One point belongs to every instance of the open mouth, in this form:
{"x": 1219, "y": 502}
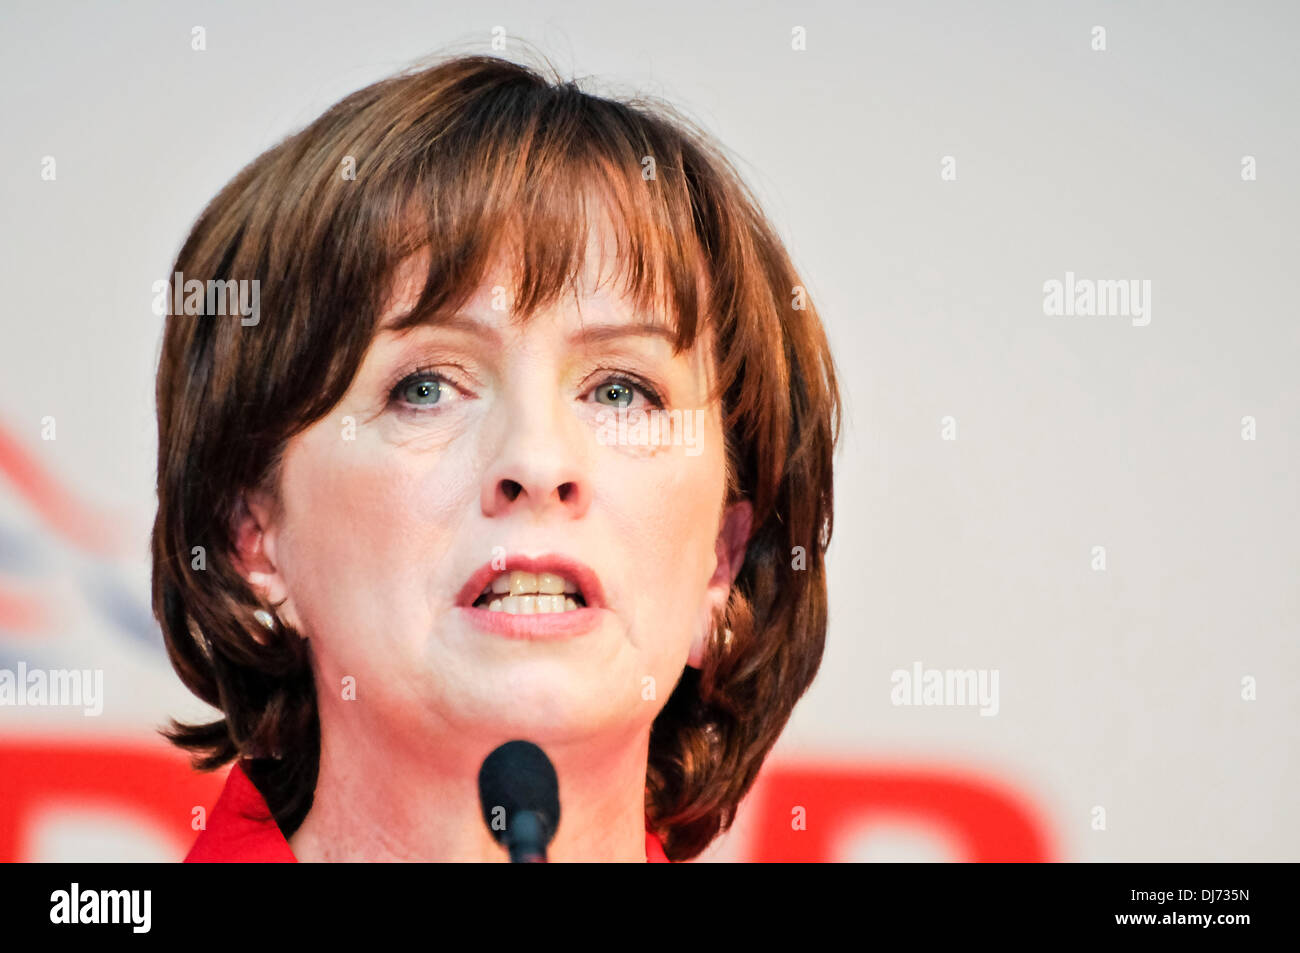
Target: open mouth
{"x": 531, "y": 593}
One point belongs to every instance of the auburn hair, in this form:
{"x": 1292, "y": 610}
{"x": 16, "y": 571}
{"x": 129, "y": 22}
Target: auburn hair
{"x": 459, "y": 157}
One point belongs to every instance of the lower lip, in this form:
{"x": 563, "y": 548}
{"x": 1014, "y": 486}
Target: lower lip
{"x": 537, "y": 626}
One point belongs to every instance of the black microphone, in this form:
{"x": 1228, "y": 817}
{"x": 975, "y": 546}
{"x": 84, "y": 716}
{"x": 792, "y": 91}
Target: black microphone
{"x": 520, "y": 797}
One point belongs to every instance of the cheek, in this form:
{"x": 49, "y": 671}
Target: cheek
{"x": 366, "y": 530}
{"x": 665, "y": 518}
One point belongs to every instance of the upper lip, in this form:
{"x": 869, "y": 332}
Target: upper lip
{"x": 580, "y": 574}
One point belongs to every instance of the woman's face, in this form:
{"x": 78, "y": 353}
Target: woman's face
{"x": 458, "y": 449}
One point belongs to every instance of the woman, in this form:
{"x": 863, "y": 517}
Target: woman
{"x": 530, "y": 438}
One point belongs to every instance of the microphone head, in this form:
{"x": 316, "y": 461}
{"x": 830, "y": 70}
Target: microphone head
{"x": 517, "y": 777}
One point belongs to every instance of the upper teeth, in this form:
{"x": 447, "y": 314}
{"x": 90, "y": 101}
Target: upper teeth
{"x": 518, "y": 583}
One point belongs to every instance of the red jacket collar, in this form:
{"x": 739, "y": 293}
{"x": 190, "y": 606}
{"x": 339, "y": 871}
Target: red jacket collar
{"x": 240, "y": 829}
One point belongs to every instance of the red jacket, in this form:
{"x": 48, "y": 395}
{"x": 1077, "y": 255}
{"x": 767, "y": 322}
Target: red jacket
{"x": 241, "y": 829}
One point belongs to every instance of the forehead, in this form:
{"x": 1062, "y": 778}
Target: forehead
{"x": 595, "y": 294}
{"x": 587, "y": 301}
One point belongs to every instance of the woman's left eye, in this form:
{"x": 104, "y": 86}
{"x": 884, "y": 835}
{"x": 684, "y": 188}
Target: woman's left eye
{"x": 620, "y": 392}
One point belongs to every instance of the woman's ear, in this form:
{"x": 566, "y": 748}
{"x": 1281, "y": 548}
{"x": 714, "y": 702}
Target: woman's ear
{"x": 733, "y": 538}
{"x": 255, "y": 537}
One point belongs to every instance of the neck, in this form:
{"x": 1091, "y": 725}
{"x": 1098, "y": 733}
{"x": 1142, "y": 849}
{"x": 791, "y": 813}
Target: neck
{"x": 381, "y": 803}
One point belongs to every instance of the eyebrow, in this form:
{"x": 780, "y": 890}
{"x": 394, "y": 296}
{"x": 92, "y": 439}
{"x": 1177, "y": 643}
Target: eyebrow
{"x": 588, "y": 334}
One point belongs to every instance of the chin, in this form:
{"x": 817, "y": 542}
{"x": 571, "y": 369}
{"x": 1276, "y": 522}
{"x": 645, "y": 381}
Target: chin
{"x": 551, "y": 706}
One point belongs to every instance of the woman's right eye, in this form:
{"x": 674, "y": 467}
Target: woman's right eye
{"x": 424, "y": 392}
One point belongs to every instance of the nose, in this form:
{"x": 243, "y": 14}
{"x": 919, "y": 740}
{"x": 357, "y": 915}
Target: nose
{"x": 540, "y": 468}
